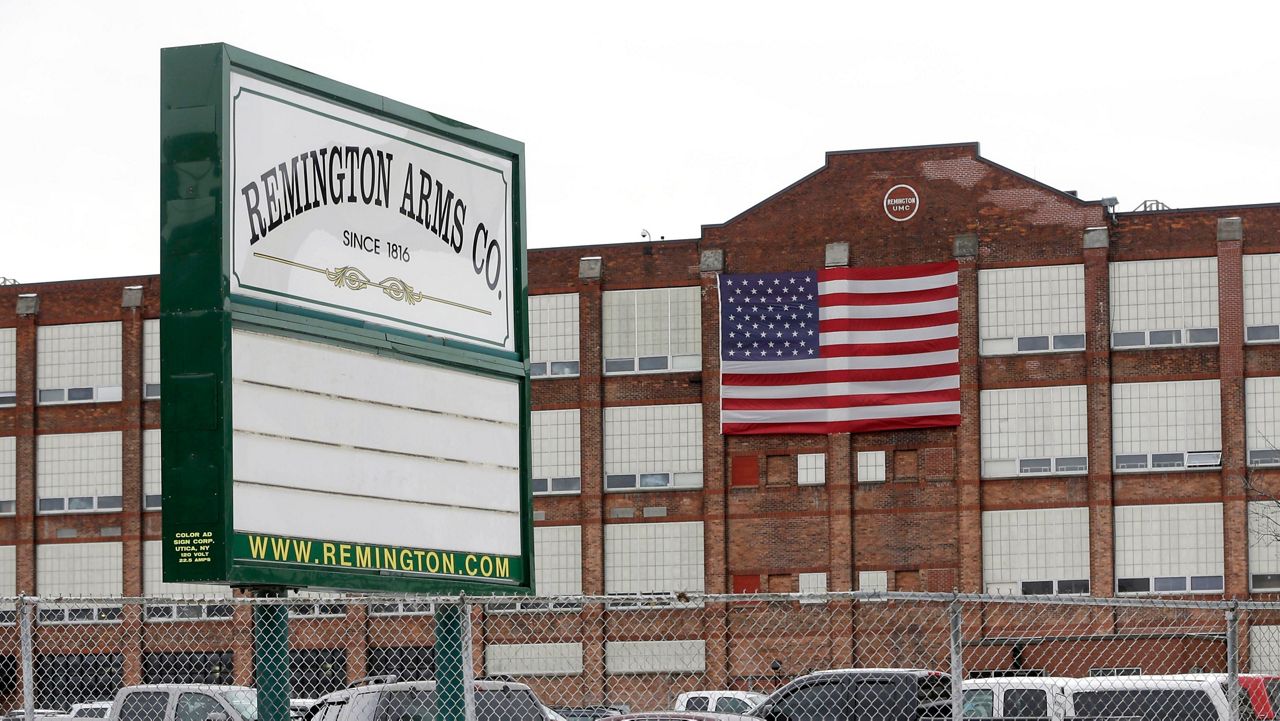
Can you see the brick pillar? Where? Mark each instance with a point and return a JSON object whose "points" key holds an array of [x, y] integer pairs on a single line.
{"points": [[242, 642], [714, 527], [28, 306], [839, 482], [968, 455], [590, 393], [356, 631], [1097, 313], [840, 540], [1231, 364], [131, 478]]}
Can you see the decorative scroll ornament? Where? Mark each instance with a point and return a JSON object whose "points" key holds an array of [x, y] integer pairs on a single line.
{"points": [[352, 278]]}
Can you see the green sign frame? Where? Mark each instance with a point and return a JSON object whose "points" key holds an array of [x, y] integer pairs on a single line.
{"points": [[198, 313]]}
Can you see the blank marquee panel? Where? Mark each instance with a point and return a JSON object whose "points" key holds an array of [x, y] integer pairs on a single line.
{"points": [[372, 450]]}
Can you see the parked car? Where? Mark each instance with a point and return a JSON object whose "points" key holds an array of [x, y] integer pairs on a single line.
{"points": [[1259, 693], [680, 716], [389, 700], [90, 709], [298, 707], [861, 694], [1016, 697], [590, 713], [19, 713], [719, 701], [1150, 698], [184, 702]]}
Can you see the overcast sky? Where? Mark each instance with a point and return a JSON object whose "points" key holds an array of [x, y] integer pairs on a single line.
{"points": [[657, 115]]}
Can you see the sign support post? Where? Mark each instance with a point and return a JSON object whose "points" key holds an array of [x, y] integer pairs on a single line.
{"points": [[453, 661], [271, 654]]}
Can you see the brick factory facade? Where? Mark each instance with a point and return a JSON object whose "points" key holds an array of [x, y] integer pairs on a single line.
{"points": [[1120, 395]]}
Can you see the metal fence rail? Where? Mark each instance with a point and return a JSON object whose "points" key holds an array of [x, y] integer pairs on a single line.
{"points": [[640, 653]]}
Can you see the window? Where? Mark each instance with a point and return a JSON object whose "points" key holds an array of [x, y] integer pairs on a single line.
{"points": [[652, 447], [78, 569], [8, 474], [558, 571], [78, 363], [556, 455], [151, 497], [1264, 649], [1036, 551], [1263, 521], [151, 358], [195, 707], [534, 659], [655, 330], [1031, 310], [873, 581], [144, 706], [1026, 703], [653, 558], [323, 606], [1164, 704], [1166, 426], [153, 585], [1262, 420], [871, 467], [553, 335], [812, 585], [1261, 298], [78, 472], [1034, 431], [401, 608], [811, 469], [1164, 302], [8, 367], [655, 656], [1172, 548], [8, 581]]}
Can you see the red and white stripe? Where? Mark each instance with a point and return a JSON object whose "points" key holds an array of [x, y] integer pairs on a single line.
{"points": [[889, 359]]}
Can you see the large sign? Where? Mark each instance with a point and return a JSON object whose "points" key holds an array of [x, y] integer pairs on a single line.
{"points": [[345, 212], [343, 337]]}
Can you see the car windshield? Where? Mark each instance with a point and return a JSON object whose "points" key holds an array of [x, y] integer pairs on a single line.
{"points": [[244, 701]]}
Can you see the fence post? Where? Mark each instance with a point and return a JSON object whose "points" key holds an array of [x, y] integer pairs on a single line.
{"points": [[25, 607], [957, 662], [271, 654], [454, 674], [1233, 663]]}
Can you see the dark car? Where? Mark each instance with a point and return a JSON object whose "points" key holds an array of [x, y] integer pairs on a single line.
{"points": [[861, 694], [589, 713]]}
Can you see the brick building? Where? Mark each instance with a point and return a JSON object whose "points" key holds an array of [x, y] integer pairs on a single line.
{"points": [[1120, 394]]}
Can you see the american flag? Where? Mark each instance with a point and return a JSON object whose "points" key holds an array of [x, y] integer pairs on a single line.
{"points": [[840, 350]]}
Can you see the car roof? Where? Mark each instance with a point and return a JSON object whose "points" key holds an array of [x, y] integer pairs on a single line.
{"points": [[916, 672], [480, 685], [1108, 683], [720, 692], [185, 687], [999, 681], [691, 715]]}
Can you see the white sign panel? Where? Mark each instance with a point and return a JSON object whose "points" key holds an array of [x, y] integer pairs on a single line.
{"points": [[368, 450], [345, 213]]}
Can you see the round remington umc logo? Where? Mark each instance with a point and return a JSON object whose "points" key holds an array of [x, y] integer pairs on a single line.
{"points": [[901, 202]]}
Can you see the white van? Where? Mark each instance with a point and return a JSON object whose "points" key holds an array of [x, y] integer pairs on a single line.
{"points": [[1151, 698], [1016, 697], [719, 701]]}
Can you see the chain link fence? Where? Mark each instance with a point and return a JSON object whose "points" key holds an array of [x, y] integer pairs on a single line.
{"points": [[586, 657]]}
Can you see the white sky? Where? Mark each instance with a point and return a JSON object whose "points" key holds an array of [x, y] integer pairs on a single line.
{"points": [[657, 115]]}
